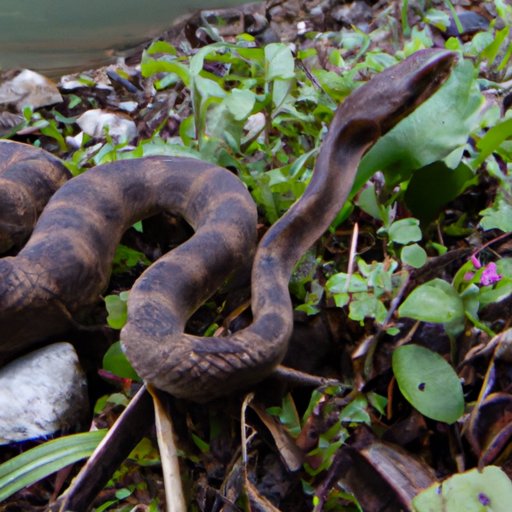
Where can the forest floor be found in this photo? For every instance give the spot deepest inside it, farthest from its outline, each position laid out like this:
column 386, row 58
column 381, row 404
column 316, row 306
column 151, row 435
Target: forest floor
column 344, row 433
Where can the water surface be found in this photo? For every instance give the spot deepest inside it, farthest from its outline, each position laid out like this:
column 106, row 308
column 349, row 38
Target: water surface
column 61, row 35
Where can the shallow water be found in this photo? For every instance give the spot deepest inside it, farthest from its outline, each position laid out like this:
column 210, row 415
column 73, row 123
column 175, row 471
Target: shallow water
column 56, row 36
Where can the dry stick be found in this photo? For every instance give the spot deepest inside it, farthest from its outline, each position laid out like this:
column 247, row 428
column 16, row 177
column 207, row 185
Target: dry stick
column 126, row 432
column 174, row 495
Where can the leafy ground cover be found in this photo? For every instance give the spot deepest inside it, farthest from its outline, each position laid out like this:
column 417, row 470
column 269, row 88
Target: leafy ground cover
column 402, row 308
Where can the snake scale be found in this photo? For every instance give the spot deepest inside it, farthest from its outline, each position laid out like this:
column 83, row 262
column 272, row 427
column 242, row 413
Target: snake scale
column 65, row 265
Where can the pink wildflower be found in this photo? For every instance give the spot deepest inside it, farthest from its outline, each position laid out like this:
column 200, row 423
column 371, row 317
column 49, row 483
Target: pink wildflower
column 489, row 276
column 468, row 276
column 476, row 262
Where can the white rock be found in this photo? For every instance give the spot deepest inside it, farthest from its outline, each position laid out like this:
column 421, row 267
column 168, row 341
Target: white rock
column 42, row 393
column 28, row 88
column 97, row 122
column 254, row 127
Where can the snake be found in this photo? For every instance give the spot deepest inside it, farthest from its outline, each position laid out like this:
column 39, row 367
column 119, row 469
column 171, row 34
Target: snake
column 65, row 265
column 29, row 177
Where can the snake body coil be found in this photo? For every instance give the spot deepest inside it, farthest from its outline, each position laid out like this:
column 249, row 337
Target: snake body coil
column 66, row 263
column 28, row 178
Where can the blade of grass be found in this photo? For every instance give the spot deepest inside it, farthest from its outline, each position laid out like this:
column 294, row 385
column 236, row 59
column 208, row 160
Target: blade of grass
column 45, row 459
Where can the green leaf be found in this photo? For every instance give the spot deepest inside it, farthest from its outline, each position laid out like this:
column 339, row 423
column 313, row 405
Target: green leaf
column 197, row 61
column 279, row 62
column 122, row 494
column 472, row 491
column 343, row 283
column 492, row 140
column 413, row 255
column 367, row 306
column 438, row 18
column 150, row 66
column 288, row 415
column 435, row 301
column 208, row 88
column 405, row 231
column 379, row 402
column 117, row 310
column 428, row 383
column 240, row 103
column 116, row 362
column 433, row 131
column 355, row 411
column 280, row 93
column 338, row 87
column 202, row 445
column 496, row 293
column 498, row 216
column 45, row 459
column 126, row 258
column 367, row 201
column 433, row 186
column 161, row 47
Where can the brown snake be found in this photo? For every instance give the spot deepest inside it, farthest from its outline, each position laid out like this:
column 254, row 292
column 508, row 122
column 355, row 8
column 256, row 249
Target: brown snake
column 28, row 178
column 65, row 265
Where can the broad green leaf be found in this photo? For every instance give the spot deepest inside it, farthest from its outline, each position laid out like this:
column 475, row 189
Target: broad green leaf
column 435, row 301
column 45, row 459
column 413, row 255
column 240, row 103
column 496, row 293
column 494, row 49
column 367, row 306
column 356, row 411
column 161, row 47
column 438, row 18
column 343, row 283
column 433, row 186
column 367, row 201
column 279, row 62
column 126, row 258
column 492, row 140
column 208, row 88
column 405, row 231
column 498, row 216
column 428, row 383
column 287, row 415
column 473, row 491
column 280, row 93
column 378, row 402
column 117, row 310
column 379, row 61
column 433, row 131
column 338, row 87
column 157, row 146
column 479, row 43
column 197, row 61
column 116, row 362
column 379, row 274
column 150, row 66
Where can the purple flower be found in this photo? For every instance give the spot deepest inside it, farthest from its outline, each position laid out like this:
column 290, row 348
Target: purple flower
column 476, row 262
column 489, row 275
column 468, row 276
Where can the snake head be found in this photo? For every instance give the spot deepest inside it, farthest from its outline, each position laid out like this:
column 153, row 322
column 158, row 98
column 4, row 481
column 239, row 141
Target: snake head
column 393, row 94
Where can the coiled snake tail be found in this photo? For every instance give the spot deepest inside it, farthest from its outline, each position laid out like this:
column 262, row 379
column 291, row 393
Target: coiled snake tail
column 65, row 266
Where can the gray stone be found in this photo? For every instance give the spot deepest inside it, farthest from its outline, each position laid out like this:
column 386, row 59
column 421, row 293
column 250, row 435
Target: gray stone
column 42, row 393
